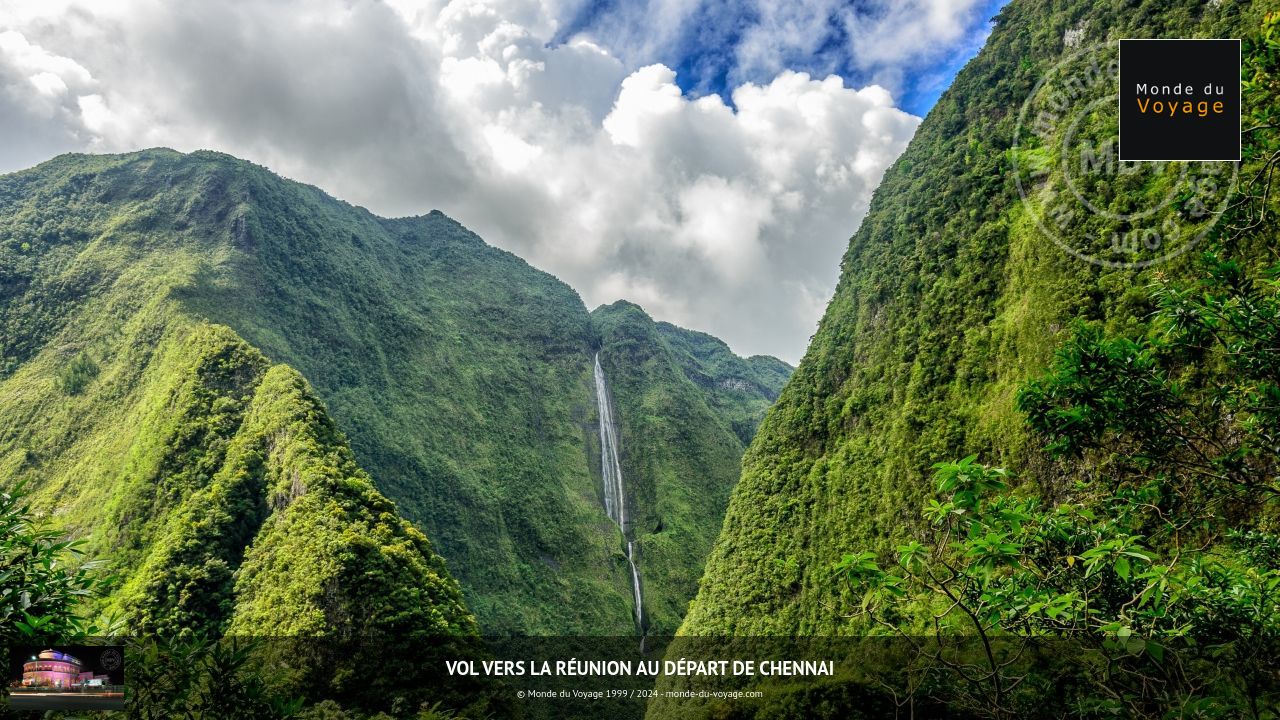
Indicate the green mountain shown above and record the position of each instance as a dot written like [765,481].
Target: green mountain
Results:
[158,315]
[684,402]
[739,390]
[950,298]
[221,485]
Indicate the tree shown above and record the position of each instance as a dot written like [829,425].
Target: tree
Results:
[198,679]
[1154,565]
[43,578]
[1020,594]
[1143,578]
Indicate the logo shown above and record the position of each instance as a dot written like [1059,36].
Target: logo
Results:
[1180,100]
[1078,191]
[111,659]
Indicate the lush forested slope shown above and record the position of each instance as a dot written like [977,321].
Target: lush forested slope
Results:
[144,300]
[950,298]
[682,398]
[738,389]
[191,461]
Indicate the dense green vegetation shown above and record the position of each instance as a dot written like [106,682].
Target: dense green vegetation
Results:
[288,534]
[156,312]
[684,403]
[49,589]
[1118,556]
[46,578]
[194,677]
[739,390]
[1161,565]
[45,583]
[950,298]
[218,451]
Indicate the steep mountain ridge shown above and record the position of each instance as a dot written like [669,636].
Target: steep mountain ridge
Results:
[460,375]
[682,398]
[950,297]
[205,450]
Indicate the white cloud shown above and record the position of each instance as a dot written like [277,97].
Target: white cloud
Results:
[726,219]
[884,40]
[40,93]
[899,30]
[879,35]
[904,35]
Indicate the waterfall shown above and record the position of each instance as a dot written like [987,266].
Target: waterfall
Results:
[615,497]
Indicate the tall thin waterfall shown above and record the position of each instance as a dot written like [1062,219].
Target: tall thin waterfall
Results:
[615,497]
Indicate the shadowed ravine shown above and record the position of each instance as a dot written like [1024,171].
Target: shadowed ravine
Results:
[615,497]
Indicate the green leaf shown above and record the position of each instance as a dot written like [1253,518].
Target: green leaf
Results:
[1155,650]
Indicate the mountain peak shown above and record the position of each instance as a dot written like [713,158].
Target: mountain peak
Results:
[457,375]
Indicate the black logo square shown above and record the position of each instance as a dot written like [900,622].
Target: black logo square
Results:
[1180,100]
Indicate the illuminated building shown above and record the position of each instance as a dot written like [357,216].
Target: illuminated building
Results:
[56,669]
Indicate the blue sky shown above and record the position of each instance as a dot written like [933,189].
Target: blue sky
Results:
[706,159]
[704,49]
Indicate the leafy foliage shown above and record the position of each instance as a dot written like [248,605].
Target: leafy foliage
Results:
[1153,622]
[949,299]
[1159,565]
[195,679]
[44,580]
[43,577]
